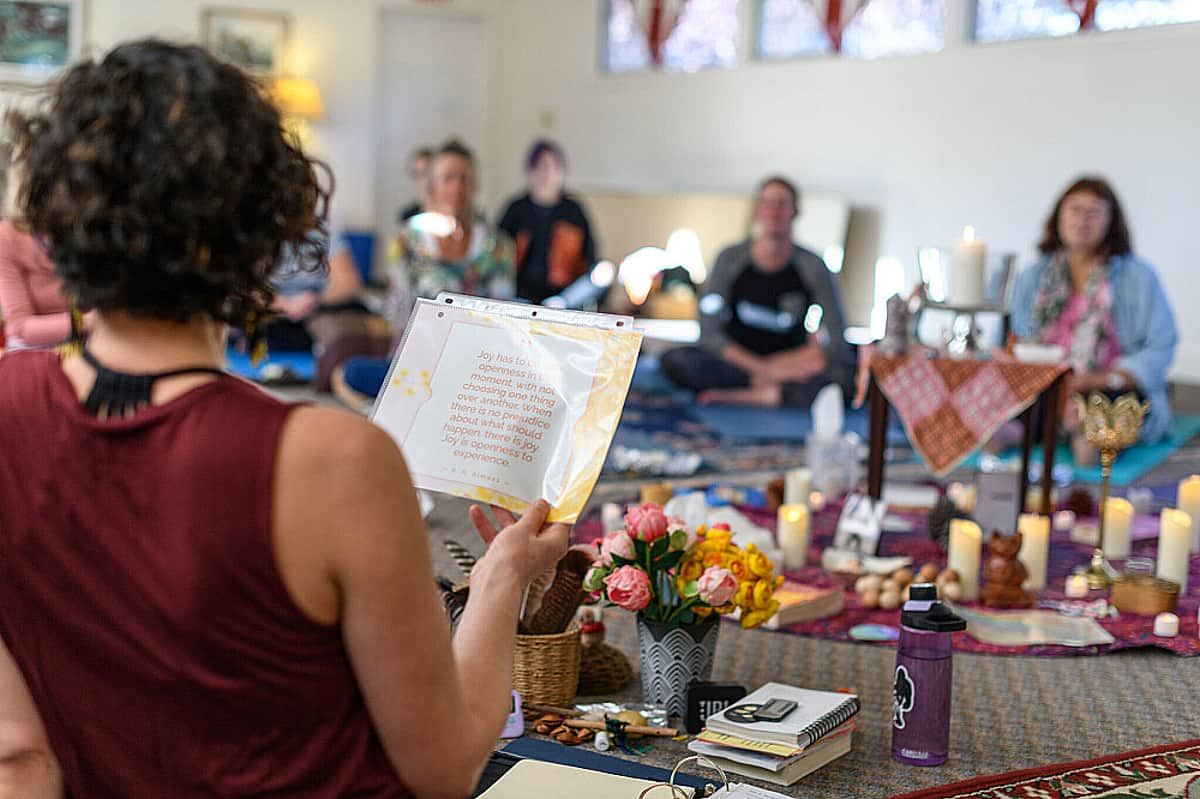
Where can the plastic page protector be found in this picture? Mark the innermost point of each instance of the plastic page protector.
(505, 407)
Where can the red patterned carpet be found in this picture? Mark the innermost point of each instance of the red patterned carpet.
(1129, 630)
(1162, 772)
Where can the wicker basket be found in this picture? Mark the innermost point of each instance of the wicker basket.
(546, 667)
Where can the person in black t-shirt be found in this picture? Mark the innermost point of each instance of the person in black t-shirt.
(757, 309)
(551, 231)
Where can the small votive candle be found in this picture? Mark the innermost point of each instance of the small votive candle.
(1064, 520)
(816, 501)
(1174, 545)
(1188, 501)
(966, 543)
(1035, 549)
(963, 496)
(1166, 625)
(793, 535)
(1118, 526)
(1076, 586)
(797, 486)
(612, 516)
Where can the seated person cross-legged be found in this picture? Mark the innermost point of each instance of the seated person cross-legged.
(1105, 307)
(755, 344)
(205, 591)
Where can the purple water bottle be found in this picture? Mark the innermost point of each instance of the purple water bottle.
(924, 672)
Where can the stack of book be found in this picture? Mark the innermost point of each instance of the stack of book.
(817, 731)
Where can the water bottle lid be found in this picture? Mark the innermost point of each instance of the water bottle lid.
(924, 612)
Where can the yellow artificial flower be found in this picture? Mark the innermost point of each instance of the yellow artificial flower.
(745, 595)
(756, 618)
(760, 565)
(702, 611)
(738, 567)
(714, 559)
(689, 570)
(721, 537)
(763, 589)
(728, 607)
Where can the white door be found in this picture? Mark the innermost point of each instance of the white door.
(432, 86)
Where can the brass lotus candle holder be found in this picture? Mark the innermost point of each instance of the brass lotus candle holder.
(1110, 426)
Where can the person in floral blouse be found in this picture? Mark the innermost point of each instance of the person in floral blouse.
(1101, 304)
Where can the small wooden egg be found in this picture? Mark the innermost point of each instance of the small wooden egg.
(890, 585)
(948, 576)
(869, 599)
(903, 576)
(889, 600)
(864, 584)
(928, 573)
(952, 591)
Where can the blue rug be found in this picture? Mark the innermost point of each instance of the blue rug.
(1131, 463)
(301, 364)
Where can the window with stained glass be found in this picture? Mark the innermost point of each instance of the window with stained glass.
(672, 35)
(1004, 20)
(854, 28)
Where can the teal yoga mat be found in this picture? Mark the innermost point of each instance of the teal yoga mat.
(1131, 463)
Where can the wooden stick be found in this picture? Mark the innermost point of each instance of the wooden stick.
(661, 732)
(565, 712)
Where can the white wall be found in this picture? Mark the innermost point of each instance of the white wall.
(333, 43)
(982, 135)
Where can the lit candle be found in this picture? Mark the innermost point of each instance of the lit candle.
(966, 542)
(966, 269)
(1118, 525)
(796, 487)
(1189, 503)
(1035, 549)
(793, 535)
(612, 517)
(963, 496)
(816, 501)
(1174, 542)
(1076, 586)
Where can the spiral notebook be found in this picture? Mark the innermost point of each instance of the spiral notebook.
(817, 714)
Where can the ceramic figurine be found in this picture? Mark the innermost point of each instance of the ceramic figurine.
(1003, 574)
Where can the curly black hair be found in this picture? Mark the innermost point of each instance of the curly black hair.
(165, 185)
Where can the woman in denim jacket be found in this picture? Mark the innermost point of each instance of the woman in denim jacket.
(1106, 308)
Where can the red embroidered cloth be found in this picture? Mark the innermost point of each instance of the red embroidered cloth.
(950, 407)
(1129, 630)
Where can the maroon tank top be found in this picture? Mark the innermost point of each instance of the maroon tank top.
(140, 597)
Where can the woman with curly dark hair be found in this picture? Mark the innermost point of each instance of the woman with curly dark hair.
(204, 591)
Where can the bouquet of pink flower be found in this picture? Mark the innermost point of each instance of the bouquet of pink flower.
(659, 568)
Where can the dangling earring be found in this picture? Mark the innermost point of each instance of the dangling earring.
(256, 342)
(73, 345)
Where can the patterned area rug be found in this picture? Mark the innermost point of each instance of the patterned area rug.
(1128, 629)
(1163, 772)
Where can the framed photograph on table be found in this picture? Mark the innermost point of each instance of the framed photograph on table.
(254, 40)
(38, 38)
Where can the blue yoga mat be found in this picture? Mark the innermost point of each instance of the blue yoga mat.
(1131, 463)
(781, 424)
(302, 364)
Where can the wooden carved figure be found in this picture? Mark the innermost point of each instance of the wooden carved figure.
(1003, 574)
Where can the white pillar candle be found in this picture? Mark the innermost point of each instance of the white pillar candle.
(612, 517)
(966, 543)
(1174, 541)
(793, 535)
(1189, 503)
(1035, 549)
(966, 269)
(1118, 526)
(796, 486)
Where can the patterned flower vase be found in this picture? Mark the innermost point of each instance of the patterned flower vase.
(672, 657)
